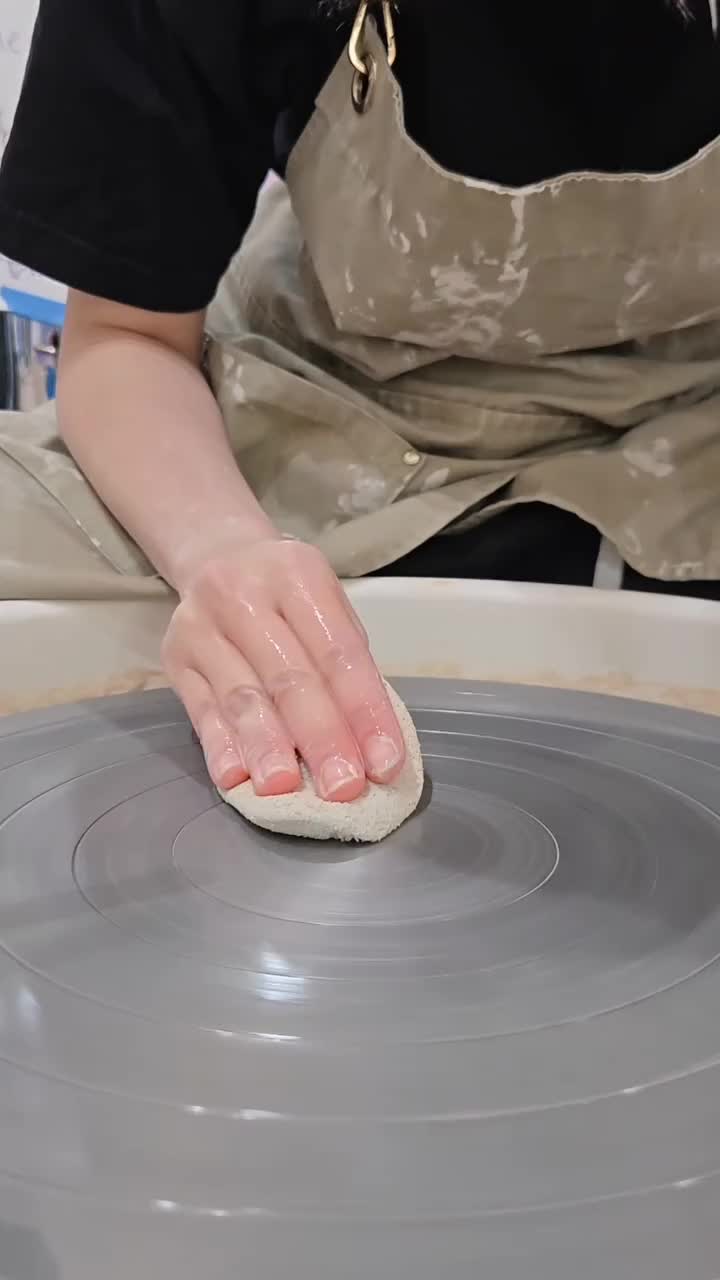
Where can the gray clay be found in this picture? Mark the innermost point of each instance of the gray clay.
(488, 1049)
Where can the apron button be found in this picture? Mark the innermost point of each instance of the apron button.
(411, 458)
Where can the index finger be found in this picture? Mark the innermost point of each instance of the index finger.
(320, 614)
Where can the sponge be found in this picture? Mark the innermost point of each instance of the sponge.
(367, 820)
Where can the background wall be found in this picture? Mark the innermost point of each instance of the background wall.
(16, 23)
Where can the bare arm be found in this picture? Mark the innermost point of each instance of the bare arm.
(264, 648)
(140, 420)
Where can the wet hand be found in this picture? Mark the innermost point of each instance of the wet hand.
(272, 663)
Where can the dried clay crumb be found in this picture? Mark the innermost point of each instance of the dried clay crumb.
(129, 682)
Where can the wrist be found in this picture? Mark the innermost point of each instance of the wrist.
(215, 541)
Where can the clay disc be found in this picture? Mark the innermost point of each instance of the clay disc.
(487, 1047)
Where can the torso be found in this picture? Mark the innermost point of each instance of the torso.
(475, 345)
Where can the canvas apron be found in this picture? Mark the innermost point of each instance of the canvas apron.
(400, 351)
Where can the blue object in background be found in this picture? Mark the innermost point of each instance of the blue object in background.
(31, 307)
(29, 340)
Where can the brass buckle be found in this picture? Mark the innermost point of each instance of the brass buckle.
(363, 62)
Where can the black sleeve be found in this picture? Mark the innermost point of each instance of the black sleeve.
(129, 172)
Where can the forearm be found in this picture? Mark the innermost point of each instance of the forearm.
(144, 427)
(263, 648)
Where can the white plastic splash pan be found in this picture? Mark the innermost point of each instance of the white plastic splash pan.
(645, 645)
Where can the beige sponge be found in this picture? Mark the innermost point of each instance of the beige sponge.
(370, 818)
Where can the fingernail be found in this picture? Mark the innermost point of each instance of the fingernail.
(231, 776)
(381, 755)
(222, 763)
(272, 766)
(335, 774)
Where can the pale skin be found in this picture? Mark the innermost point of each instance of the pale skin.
(264, 648)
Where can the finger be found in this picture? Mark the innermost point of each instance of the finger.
(266, 747)
(300, 694)
(222, 754)
(354, 617)
(337, 643)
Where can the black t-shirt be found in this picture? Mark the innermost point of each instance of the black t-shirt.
(145, 127)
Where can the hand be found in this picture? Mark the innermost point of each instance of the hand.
(271, 661)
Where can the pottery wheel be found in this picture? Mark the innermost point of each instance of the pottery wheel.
(488, 1048)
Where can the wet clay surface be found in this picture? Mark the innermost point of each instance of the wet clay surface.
(490, 1045)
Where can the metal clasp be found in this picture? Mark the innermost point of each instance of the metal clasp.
(363, 62)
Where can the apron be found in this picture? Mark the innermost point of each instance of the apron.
(399, 351)
(420, 350)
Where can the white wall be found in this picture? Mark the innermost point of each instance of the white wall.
(16, 24)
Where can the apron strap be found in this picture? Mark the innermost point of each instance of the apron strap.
(363, 62)
(609, 567)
